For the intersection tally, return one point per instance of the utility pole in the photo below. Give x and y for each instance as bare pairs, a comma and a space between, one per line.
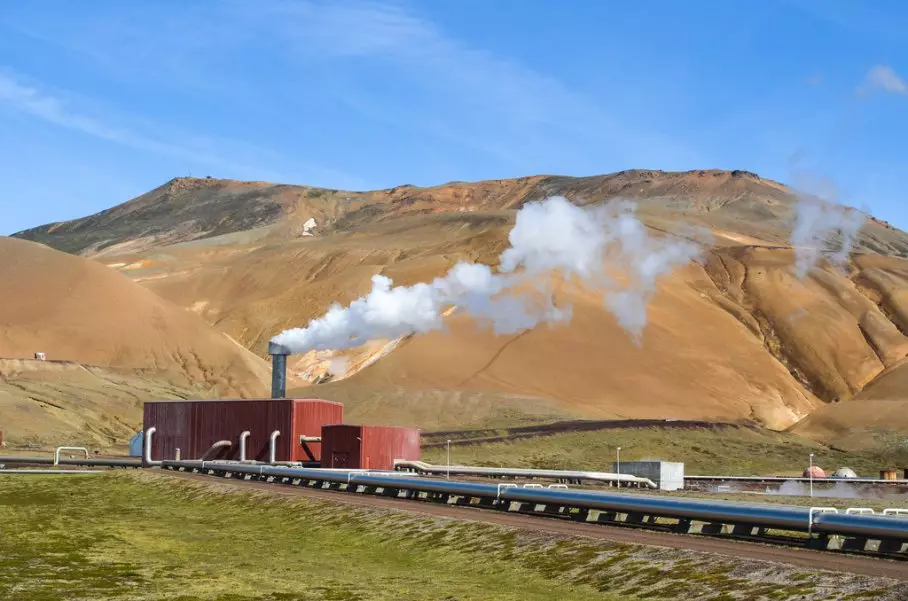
810, 474
618, 451
449, 459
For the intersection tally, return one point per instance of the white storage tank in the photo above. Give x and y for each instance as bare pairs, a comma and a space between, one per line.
668, 475
844, 472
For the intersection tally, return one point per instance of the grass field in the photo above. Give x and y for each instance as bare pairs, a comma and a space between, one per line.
718, 450
115, 537
149, 536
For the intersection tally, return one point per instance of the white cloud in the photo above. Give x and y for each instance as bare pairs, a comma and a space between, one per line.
237, 159
884, 78
443, 89
461, 93
53, 109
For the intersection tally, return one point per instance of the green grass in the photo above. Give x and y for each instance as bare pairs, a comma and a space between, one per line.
130, 536
145, 535
705, 451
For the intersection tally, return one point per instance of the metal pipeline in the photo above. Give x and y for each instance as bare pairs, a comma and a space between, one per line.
801, 519
243, 436
218, 445
147, 449
44, 472
18, 460
272, 447
510, 472
59, 449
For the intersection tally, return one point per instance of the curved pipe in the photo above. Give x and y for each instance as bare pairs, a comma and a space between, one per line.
213, 448
147, 450
243, 436
272, 447
57, 452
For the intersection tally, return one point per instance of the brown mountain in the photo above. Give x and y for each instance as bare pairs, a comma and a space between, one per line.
186, 209
738, 338
106, 339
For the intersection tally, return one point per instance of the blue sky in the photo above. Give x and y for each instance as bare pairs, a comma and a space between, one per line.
101, 101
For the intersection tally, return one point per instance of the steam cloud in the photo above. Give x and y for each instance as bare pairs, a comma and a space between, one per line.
818, 224
605, 248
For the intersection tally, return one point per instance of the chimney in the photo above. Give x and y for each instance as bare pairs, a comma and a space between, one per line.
278, 354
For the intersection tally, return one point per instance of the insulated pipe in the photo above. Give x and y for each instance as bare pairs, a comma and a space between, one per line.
468, 470
20, 460
147, 449
272, 447
772, 516
243, 436
57, 452
279, 355
218, 445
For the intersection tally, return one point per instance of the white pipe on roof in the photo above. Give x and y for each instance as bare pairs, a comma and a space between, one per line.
468, 470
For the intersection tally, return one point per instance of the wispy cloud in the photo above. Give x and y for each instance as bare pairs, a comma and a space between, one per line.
53, 109
237, 159
383, 62
459, 93
883, 77
814, 80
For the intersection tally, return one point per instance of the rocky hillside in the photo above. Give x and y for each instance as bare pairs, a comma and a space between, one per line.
738, 338
186, 209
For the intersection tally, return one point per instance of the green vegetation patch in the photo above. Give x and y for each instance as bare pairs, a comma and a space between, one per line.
149, 535
141, 536
705, 451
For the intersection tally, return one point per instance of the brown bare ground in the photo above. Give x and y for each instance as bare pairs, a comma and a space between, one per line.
138, 346
737, 339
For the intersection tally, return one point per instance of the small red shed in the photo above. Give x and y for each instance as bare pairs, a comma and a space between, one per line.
367, 447
193, 426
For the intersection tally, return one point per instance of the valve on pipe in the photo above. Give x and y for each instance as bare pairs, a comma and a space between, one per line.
279, 355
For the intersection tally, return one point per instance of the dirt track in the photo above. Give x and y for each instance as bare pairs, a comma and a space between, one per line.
818, 560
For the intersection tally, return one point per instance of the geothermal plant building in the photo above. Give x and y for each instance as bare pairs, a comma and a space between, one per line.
309, 431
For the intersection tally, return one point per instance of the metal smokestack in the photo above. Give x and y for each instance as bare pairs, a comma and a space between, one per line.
278, 354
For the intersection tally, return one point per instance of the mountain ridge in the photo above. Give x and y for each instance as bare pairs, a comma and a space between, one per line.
188, 209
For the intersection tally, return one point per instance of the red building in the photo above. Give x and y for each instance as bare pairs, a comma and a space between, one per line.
194, 426
367, 447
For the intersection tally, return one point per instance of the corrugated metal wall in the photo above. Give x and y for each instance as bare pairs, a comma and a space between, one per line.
368, 447
309, 415
193, 426
340, 446
383, 444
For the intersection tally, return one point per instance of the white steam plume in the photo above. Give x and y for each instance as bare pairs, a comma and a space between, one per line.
337, 366
823, 227
605, 248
